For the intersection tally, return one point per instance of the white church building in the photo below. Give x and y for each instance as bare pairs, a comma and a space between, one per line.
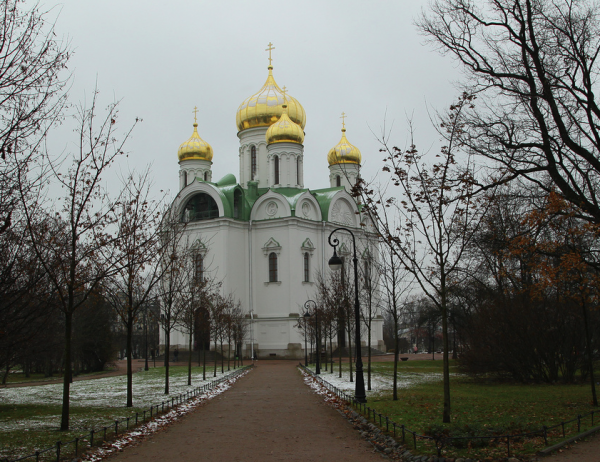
264, 235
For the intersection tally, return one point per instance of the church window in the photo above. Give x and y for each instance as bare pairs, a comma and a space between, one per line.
253, 162
338, 181
200, 207
205, 176
198, 267
298, 170
306, 267
276, 160
237, 203
272, 267
184, 178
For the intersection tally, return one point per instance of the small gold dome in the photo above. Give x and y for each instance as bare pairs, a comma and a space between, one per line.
285, 131
195, 148
264, 108
344, 152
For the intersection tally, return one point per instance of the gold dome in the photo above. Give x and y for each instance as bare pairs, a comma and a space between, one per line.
344, 152
285, 131
195, 148
264, 108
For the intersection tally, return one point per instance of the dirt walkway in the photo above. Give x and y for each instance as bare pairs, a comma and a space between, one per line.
268, 415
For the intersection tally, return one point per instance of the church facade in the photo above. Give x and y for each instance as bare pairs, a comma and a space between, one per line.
264, 235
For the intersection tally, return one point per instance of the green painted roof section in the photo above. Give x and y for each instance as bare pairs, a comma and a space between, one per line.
324, 197
227, 186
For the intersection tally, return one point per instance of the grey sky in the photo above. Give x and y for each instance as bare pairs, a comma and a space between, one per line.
364, 58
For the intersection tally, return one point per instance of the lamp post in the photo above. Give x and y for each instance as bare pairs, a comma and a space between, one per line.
335, 263
315, 309
306, 316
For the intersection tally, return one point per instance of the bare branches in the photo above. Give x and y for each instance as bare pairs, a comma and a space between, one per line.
534, 67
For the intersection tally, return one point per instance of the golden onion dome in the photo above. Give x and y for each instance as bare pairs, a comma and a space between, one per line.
344, 152
285, 131
195, 148
265, 107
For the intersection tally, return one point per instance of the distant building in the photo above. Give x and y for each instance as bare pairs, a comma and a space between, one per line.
265, 236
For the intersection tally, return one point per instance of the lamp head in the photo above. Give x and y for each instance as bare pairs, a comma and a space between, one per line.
335, 262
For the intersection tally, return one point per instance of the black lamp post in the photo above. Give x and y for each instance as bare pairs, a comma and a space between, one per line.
335, 263
306, 316
315, 309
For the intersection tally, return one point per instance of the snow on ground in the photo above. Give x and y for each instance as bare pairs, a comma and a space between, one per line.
379, 383
108, 392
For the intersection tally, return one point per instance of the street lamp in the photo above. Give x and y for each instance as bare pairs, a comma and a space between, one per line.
306, 316
335, 263
307, 307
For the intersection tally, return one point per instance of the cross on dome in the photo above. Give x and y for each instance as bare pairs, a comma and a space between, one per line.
195, 111
343, 117
271, 47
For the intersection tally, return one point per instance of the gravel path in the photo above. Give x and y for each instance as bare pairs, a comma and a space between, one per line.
270, 414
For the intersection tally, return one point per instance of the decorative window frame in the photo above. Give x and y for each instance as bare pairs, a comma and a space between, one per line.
272, 246
307, 246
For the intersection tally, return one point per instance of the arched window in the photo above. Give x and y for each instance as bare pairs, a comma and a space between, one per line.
298, 170
205, 176
200, 207
253, 162
367, 274
184, 179
338, 181
272, 267
306, 267
198, 267
237, 203
276, 160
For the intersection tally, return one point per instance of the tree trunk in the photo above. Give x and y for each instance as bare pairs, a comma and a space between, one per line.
128, 354
369, 352
190, 356
216, 361
396, 355
64, 422
590, 357
446, 415
203, 360
167, 354
350, 349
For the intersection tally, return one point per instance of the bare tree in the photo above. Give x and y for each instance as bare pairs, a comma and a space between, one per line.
438, 218
395, 289
534, 66
175, 263
73, 246
136, 252
32, 82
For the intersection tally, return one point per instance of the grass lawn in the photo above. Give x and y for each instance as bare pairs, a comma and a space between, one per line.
480, 407
30, 416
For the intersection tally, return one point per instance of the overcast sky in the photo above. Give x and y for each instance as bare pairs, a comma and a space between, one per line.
364, 58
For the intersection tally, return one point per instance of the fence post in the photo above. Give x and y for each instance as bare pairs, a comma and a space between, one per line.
508, 445
104, 438
116, 428
545, 435
76, 446
415, 439
387, 423
58, 443
394, 425
92, 438
563, 428
127, 423
578, 423
403, 435
37, 456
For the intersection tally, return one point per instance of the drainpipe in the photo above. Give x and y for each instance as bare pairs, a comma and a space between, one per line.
250, 289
